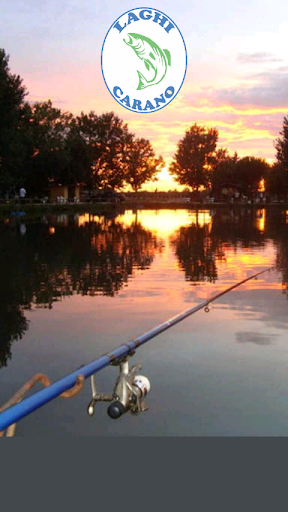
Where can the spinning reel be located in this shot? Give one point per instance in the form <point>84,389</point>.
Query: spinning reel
<point>128,394</point>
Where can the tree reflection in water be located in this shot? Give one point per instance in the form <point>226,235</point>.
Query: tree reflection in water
<point>238,228</point>
<point>45,264</point>
<point>277,229</point>
<point>201,245</point>
<point>53,260</point>
<point>196,252</point>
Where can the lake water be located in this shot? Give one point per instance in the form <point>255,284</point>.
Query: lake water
<point>75,287</point>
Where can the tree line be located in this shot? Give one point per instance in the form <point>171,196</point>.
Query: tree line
<point>41,145</point>
<point>199,164</point>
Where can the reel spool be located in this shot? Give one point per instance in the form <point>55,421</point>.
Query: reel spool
<point>128,394</point>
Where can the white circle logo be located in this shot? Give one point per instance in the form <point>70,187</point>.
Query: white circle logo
<point>144,60</point>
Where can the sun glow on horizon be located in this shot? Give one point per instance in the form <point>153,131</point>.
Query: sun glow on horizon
<point>164,182</point>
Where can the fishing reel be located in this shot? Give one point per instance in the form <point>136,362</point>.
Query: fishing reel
<point>128,394</point>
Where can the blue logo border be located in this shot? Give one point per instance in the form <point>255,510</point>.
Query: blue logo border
<point>121,104</point>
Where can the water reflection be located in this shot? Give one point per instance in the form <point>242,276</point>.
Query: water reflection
<point>255,337</point>
<point>197,252</point>
<point>92,255</point>
<point>50,260</point>
<point>276,228</point>
<point>239,228</point>
<point>13,324</point>
<point>221,373</point>
<point>200,247</point>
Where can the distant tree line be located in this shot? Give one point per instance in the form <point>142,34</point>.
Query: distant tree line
<point>199,164</point>
<point>40,145</point>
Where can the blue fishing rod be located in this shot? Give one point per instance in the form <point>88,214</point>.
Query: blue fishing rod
<point>130,388</point>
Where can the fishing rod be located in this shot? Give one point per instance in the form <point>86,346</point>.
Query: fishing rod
<point>130,388</point>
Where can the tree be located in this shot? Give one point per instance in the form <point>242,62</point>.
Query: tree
<point>224,168</point>
<point>107,139</point>
<point>195,157</point>
<point>141,163</point>
<point>249,171</point>
<point>276,180</point>
<point>49,128</point>
<point>79,160</point>
<point>12,120</point>
<point>282,146</point>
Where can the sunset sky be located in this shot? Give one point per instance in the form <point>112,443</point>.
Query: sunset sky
<point>237,75</point>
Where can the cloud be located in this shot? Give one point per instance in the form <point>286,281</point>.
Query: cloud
<point>257,58</point>
<point>39,99</point>
<point>255,337</point>
<point>269,89</point>
<point>249,115</point>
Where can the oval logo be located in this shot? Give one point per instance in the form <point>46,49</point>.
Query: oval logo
<point>144,60</point>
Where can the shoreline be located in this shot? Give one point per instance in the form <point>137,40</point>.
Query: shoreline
<point>32,209</point>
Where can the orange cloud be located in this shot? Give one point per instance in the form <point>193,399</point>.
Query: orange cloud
<point>245,122</point>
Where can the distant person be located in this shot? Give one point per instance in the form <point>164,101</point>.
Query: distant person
<point>22,193</point>
<point>22,228</point>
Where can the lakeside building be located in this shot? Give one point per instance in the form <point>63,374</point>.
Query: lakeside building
<point>69,192</point>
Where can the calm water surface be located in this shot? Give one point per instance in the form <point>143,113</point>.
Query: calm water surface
<point>75,287</point>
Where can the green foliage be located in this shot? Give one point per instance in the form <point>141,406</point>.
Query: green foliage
<point>48,130</point>
<point>249,171</point>
<point>195,157</point>
<point>79,162</point>
<point>276,180</point>
<point>13,119</point>
<point>245,173</point>
<point>282,146</point>
<point>107,139</point>
<point>141,163</point>
<point>224,169</point>
<point>41,145</point>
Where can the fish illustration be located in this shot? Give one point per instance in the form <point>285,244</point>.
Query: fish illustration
<point>155,59</point>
